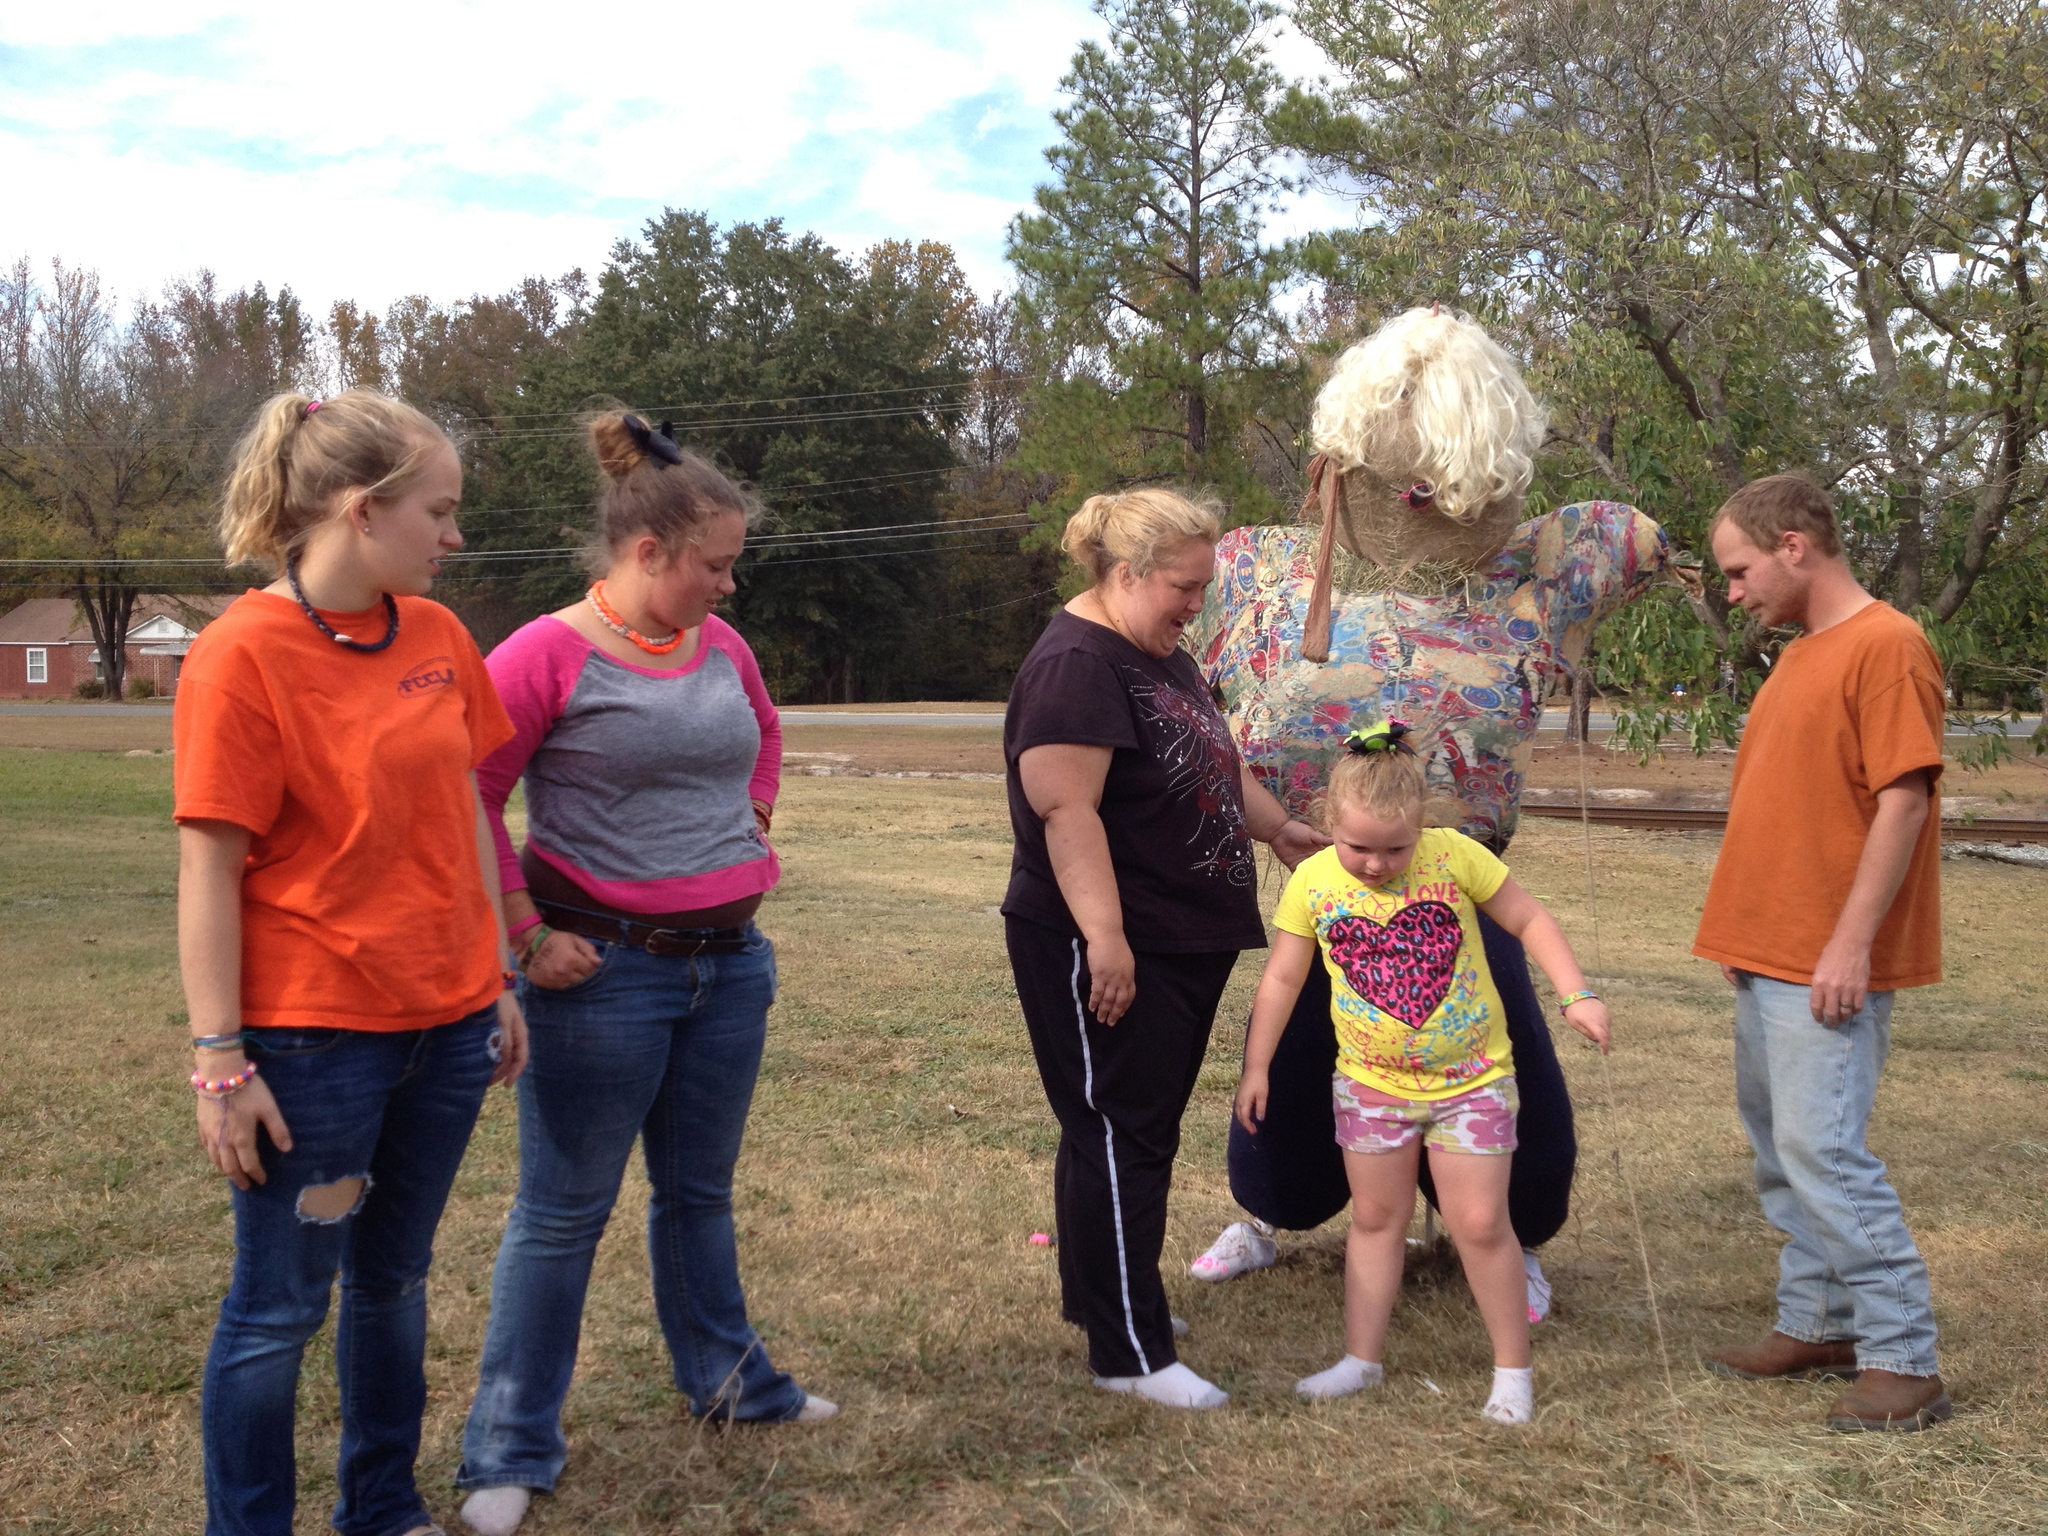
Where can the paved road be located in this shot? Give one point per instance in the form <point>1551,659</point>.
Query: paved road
<point>993,717</point>
<point>1553,720</point>
<point>133,711</point>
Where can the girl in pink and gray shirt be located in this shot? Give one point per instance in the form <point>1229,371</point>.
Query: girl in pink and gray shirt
<point>651,753</point>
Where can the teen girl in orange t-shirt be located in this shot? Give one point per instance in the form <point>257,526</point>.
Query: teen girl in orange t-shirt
<point>344,965</point>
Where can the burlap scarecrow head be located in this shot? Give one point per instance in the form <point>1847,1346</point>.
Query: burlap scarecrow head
<point>1426,440</point>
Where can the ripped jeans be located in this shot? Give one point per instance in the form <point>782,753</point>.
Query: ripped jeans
<point>395,1110</point>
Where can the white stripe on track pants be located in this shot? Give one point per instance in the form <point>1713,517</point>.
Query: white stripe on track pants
<point>1118,1092</point>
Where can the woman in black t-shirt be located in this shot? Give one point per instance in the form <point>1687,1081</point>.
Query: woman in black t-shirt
<point>1131,893</point>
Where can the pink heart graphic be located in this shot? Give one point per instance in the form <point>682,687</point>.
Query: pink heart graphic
<point>1403,967</point>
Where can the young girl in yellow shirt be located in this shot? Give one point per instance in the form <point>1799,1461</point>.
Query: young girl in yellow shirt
<point>1422,1047</point>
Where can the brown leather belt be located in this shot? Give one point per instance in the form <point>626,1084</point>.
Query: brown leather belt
<point>668,943</point>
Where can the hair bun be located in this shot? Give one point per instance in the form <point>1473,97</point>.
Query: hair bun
<point>623,442</point>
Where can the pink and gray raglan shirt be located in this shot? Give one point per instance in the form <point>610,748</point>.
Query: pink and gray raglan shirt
<point>639,780</point>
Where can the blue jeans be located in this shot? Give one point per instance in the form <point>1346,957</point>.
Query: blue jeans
<point>1849,1269</point>
<point>665,1050</point>
<point>394,1110</point>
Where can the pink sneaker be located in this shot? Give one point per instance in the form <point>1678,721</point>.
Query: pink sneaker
<point>1241,1247</point>
<point>1539,1286</point>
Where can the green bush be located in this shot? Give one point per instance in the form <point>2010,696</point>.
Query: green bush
<point>92,688</point>
<point>141,688</point>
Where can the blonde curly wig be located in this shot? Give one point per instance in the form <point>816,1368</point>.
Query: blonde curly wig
<point>1431,397</point>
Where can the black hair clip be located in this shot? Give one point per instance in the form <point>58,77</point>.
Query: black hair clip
<point>660,445</point>
<point>1379,736</point>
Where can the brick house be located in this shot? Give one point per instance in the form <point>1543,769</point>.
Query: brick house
<point>47,650</point>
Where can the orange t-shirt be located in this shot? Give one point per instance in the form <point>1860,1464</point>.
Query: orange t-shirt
<point>1843,714</point>
<point>363,903</point>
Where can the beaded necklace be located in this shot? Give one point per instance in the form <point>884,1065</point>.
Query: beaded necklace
<point>291,573</point>
<point>618,626</point>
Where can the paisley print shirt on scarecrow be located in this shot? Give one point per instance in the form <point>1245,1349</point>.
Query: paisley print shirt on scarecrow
<point>1415,1007</point>
<point>1470,670</point>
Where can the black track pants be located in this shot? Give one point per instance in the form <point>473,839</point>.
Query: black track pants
<point>1118,1093</point>
<point>1292,1173</point>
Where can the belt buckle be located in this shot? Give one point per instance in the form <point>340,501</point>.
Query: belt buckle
<point>671,944</point>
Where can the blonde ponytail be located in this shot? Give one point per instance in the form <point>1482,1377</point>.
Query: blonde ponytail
<point>1143,528</point>
<point>301,458</point>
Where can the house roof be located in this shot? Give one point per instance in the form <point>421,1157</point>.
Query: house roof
<point>59,621</point>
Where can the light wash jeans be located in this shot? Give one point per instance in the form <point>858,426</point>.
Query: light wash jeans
<point>1849,1269</point>
<point>663,1051</point>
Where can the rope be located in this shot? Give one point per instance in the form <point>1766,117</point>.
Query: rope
<point>1635,1210</point>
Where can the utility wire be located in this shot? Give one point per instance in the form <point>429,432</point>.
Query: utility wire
<point>934,528</point>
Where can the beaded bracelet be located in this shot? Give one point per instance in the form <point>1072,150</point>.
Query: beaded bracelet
<point>216,1042</point>
<point>510,978</point>
<point>221,1087</point>
<point>1576,997</point>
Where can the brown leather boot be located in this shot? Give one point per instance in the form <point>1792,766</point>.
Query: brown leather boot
<point>1887,1400</point>
<point>1782,1357</point>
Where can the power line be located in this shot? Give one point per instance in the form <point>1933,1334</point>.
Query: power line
<point>794,419</point>
<point>935,528</point>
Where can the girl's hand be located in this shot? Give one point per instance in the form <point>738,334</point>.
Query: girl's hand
<point>562,960</point>
<point>1112,978</point>
<point>1251,1100</point>
<point>512,1050</point>
<point>1589,1018</point>
<point>227,1131</point>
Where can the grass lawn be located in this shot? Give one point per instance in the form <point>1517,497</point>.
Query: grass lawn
<point>899,1157</point>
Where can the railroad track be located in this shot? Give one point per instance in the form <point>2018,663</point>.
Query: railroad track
<point>1683,818</point>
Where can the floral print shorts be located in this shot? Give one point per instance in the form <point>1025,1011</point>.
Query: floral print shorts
<point>1481,1121</point>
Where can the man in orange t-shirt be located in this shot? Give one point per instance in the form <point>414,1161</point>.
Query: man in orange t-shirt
<point>1825,900</point>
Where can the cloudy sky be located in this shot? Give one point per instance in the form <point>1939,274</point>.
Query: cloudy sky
<point>375,148</point>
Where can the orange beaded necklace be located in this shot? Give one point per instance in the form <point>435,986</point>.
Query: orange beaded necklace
<point>620,627</point>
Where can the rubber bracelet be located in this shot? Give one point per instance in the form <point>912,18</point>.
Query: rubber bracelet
<point>533,945</point>
<point>216,1042</point>
<point>522,925</point>
<point>1576,997</point>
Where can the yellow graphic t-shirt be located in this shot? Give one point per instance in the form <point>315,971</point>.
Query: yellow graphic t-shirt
<point>1416,1011</point>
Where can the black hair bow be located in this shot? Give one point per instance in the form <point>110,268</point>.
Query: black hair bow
<point>661,445</point>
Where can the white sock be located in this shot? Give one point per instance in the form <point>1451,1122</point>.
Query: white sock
<point>1348,1375</point>
<point>1173,1387</point>
<point>1514,1395</point>
<point>496,1511</point>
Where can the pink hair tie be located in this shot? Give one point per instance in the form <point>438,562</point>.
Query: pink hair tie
<point>1419,495</point>
<point>312,406</point>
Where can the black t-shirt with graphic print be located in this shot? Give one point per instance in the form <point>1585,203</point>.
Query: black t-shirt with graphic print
<point>1172,804</point>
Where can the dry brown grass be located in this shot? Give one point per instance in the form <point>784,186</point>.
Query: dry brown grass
<point>900,1155</point>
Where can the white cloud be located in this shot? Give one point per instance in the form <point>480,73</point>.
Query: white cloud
<point>443,147</point>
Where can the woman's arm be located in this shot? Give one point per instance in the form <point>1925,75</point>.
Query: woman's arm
<point>1530,921</point>
<point>1063,783</point>
<point>533,674</point>
<point>766,782</point>
<point>211,856</point>
<point>1291,839</point>
<point>1279,990</point>
<point>511,1022</point>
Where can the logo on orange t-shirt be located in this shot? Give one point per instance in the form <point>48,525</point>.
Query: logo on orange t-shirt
<point>435,672</point>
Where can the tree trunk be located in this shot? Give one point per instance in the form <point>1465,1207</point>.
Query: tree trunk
<point>108,607</point>
<point>1578,719</point>
<point>1906,485</point>
<point>1987,518</point>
